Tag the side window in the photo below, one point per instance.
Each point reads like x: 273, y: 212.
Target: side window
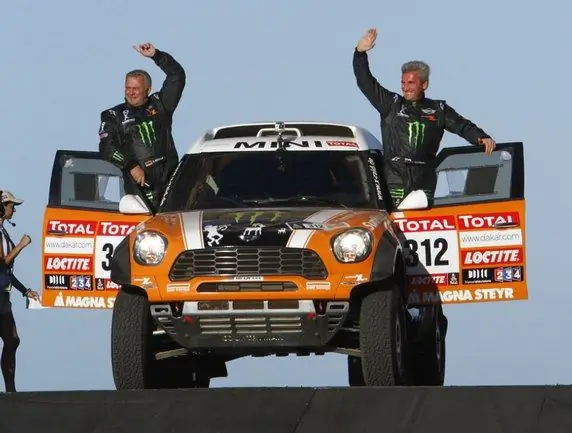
x: 474, y: 177
x: 90, y: 183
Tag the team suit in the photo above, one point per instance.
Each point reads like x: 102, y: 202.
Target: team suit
x: 131, y: 136
x: 411, y: 133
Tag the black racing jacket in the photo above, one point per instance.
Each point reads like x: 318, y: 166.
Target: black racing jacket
x: 131, y: 136
x: 410, y: 130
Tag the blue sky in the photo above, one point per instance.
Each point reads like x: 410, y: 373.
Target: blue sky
x: 500, y: 63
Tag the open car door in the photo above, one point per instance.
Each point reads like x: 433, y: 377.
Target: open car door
x: 469, y: 246
x: 82, y: 226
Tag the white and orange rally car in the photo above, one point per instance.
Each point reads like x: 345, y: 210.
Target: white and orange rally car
x: 275, y: 239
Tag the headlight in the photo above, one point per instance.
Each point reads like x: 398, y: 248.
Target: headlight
x: 352, y: 246
x: 149, y: 248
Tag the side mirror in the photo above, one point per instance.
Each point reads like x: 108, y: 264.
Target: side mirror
x: 132, y: 204
x: 415, y: 200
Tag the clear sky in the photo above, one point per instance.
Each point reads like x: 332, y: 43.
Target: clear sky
x: 504, y: 64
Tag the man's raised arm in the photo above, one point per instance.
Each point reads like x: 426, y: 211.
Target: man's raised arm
x: 380, y: 97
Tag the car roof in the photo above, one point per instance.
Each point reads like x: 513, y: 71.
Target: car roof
x: 305, y: 135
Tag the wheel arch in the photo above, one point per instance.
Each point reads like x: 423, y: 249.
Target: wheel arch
x: 388, y: 263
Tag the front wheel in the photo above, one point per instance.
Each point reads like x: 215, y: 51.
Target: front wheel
x: 131, y: 333
x: 383, y: 337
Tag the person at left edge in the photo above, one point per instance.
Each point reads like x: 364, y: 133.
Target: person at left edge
x: 8, y: 253
x: 136, y: 134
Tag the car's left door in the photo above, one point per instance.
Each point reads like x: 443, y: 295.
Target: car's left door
x: 470, y: 245
x: 82, y: 226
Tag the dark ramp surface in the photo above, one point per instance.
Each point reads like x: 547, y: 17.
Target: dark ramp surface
x: 302, y: 410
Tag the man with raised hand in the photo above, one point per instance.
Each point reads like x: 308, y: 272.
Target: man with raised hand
x: 136, y: 134
x: 412, y: 125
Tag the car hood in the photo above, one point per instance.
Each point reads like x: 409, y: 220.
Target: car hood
x: 262, y: 226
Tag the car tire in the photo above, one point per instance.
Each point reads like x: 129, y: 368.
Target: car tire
x: 430, y: 351
x: 131, y: 333
x: 355, y: 371
x: 383, y: 337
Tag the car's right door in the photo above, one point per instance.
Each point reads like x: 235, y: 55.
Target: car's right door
x: 470, y: 245
x: 82, y: 227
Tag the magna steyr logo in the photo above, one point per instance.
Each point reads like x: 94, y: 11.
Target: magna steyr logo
x: 416, y: 133
x: 147, y: 132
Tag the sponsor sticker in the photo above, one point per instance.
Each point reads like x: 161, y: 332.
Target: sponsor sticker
x: 488, y: 220
x: 79, y: 301
x: 178, y: 287
x: 109, y: 235
x: 431, y: 245
x: 74, y: 245
x: 451, y: 296
x: 56, y: 282
x: 68, y: 264
x: 490, y: 238
x: 492, y: 256
x: 72, y: 227
x: 81, y: 282
x: 318, y: 285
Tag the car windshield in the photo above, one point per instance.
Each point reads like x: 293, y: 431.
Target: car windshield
x: 273, y: 178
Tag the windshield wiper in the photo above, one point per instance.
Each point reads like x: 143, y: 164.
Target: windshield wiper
x: 297, y: 199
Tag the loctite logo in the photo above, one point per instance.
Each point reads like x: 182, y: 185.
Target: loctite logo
x: 72, y: 227
x: 492, y: 257
x: 488, y: 220
x: 82, y: 264
x: 426, y: 224
x: 424, y: 280
x: 108, y: 228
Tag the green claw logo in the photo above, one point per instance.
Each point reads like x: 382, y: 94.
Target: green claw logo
x: 416, y: 133
x: 147, y: 132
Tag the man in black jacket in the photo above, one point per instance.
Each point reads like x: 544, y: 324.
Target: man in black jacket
x: 412, y: 125
x: 136, y: 134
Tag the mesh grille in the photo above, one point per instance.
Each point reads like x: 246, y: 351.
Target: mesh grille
x: 248, y: 261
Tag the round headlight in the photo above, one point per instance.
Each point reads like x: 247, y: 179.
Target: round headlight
x: 352, y: 245
x: 149, y: 248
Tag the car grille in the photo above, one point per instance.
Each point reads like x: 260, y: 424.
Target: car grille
x: 242, y: 261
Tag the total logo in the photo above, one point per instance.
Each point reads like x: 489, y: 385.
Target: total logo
x: 112, y: 228
x: 72, y: 227
x: 488, y: 220
x: 446, y: 222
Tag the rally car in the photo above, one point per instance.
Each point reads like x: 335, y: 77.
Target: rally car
x: 276, y: 239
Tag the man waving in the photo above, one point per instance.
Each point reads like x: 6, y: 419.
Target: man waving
x: 136, y: 134
x: 412, y: 125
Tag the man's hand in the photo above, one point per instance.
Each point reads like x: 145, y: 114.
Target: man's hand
x: 33, y: 295
x: 489, y: 144
x: 367, y: 42
x: 138, y: 175
x: 25, y: 241
x: 147, y: 49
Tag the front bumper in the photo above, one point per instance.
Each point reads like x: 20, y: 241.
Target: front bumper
x: 263, y: 324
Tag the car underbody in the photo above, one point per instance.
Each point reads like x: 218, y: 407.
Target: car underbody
x: 190, y: 342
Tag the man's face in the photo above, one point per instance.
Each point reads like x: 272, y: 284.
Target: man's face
x: 9, y: 210
x: 135, y: 90
x: 412, y: 86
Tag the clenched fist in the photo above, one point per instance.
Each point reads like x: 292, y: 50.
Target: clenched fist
x: 147, y: 49
x: 25, y: 241
x: 367, y: 42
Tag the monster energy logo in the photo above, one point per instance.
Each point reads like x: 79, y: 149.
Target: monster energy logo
x: 416, y: 133
x: 254, y: 216
x: 147, y: 132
